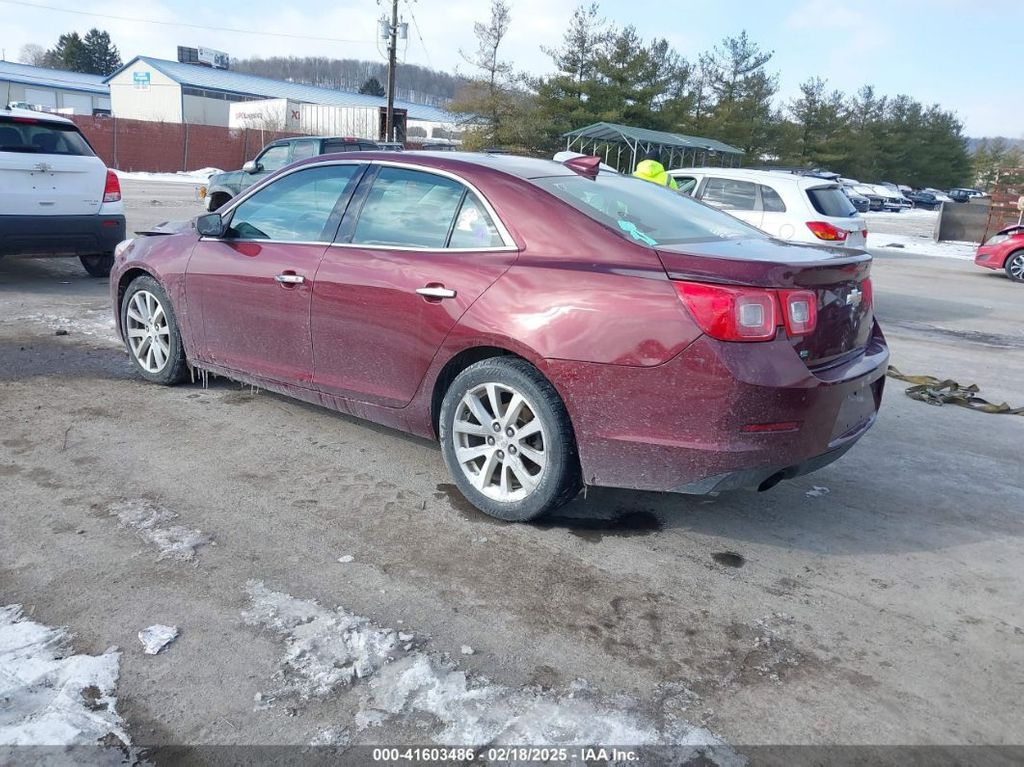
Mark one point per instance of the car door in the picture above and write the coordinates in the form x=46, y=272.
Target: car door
x=252, y=286
x=734, y=196
x=407, y=264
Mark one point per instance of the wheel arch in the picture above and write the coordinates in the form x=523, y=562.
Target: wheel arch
x=126, y=279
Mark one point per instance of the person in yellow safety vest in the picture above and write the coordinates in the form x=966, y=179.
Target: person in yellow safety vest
x=651, y=169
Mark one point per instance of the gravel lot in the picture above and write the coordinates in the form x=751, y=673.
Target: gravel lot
x=875, y=602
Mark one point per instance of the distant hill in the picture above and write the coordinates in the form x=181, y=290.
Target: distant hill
x=972, y=143
x=412, y=83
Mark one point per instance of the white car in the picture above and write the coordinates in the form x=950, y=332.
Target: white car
x=57, y=198
x=787, y=206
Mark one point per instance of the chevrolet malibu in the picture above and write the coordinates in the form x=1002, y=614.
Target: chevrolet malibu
x=552, y=325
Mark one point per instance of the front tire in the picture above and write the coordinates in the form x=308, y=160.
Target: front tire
x=151, y=333
x=507, y=440
x=97, y=266
x=1014, y=266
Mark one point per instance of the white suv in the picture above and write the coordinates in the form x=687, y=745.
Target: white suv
x=57, y=198
x=786, y=205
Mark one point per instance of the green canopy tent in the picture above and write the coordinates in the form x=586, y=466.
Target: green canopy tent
x=619, y=143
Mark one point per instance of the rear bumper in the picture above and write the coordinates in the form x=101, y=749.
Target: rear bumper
x=60, y=235
x=684, y=426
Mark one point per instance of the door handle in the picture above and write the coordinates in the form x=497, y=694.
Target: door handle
x=436, y=291
x=290, y=279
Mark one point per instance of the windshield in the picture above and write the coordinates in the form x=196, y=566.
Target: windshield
x=31, y=136
x=645, y=212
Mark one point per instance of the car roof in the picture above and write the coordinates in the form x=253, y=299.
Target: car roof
x=34, y=115
x=759, y=176
x=514, y=165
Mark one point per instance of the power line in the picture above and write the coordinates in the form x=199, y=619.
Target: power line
x=181, y=23
x=416, y=24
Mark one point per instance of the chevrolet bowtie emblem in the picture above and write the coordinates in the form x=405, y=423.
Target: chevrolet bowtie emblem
x=43, y=167
x=853, y=298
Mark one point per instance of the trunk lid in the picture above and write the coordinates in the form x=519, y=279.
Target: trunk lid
x=47, y=169
x=836, y=276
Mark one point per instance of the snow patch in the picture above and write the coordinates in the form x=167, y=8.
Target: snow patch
x=150, y=521
x=200, y=176
x=91, y=322
x=346, y=559
x=50, y=696
x=922, y=246
x=327, y=649
x=157, y=637
x=324, y=649
x=817, y=492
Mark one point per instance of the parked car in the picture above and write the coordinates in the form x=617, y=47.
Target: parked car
x=860, y=202
x=274, y=156
x=938, y=193
x=550, y=324
x=924, y=200
x=892, y=199
x=876, y=202
x=57, y=198
x=788, y=206
x=1005, y=250
x=965, y=195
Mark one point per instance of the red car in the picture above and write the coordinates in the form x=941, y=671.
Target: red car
x=551, y=325
x=1004, y=250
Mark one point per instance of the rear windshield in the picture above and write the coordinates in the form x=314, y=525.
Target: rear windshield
x=830, y=201
x=26, y=135
x=645, y=212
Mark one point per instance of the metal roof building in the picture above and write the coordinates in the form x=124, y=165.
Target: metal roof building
x=624, y=142
x=53, y=88
x=157, y=89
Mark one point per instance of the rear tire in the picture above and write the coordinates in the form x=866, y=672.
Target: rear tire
x=1014, y=266
x=151, y=333
x=507, y=440
x=97, y=266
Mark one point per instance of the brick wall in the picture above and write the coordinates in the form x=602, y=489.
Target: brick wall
x=156, y=147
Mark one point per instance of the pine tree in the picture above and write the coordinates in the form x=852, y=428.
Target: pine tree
x=372, y=87
x=102, y=55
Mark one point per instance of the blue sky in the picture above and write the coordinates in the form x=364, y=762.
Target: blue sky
x=963, y=55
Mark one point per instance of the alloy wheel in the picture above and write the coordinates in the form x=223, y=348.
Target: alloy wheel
x=1015, y=266
x=500, y=443
x=149, y=335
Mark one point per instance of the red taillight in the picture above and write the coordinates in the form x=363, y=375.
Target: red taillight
x=865, y=233
x=800, y=311
x=731, y=314
x=29, y=120
x=826, y=231
x=112, y=189
x=868, y=292
x=749, y=314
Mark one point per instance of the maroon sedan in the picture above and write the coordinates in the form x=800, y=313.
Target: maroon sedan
x=1004, y=250
x=551, y=325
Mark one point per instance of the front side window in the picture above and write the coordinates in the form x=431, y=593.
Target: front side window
x=729, y=194
x=644, y=212
x=295, y=208
x=408, y=208
x=273, y=159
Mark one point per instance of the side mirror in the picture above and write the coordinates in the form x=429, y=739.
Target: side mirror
x=210, y=225
x=251, y=166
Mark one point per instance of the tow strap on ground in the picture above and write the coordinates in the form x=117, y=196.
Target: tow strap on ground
x=948, y=392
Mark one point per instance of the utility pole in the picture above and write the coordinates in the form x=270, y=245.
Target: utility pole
x=389, y=129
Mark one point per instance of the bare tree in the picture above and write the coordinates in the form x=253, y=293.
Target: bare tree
x=33, y=54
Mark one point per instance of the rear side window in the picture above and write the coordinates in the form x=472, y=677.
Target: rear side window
x=770, y=200
x=37, y=137
x=474, y=227
x=408, y=208
x=686, y=184
x=830, y=201
x=330, y=147
x=729, y=194
x=303, y=149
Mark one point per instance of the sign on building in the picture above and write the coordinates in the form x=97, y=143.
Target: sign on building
x=141, y=80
